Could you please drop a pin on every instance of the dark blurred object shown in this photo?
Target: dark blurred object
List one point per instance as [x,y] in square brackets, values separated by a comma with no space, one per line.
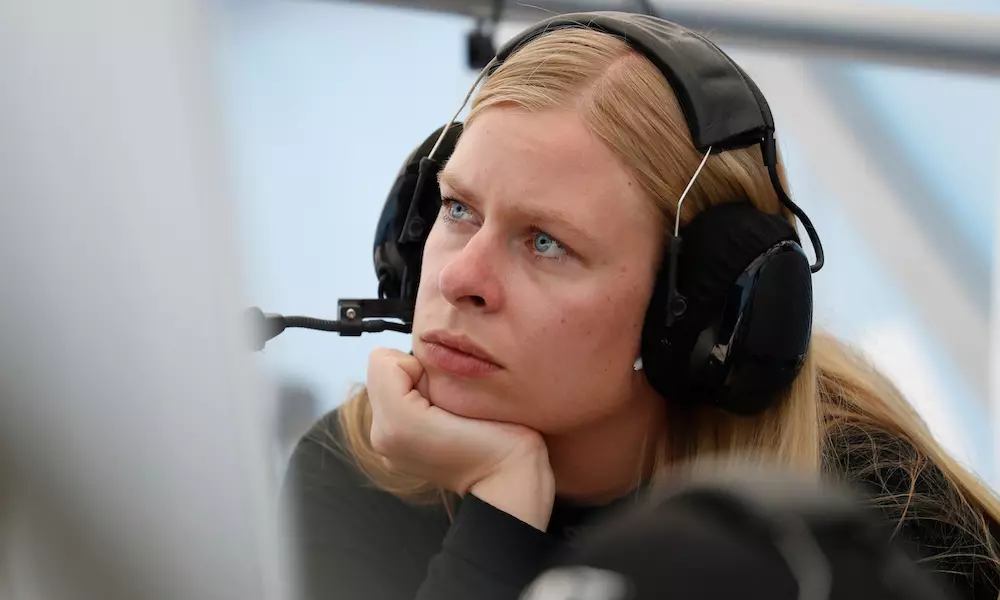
[479,44]
[298,408]
[647,7]
[480,48]
[764,537]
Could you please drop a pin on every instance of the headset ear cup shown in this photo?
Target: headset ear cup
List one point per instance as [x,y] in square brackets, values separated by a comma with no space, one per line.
[389,265]
[700,364]
[397,262]
[388,268]
[774,333]
[742,338]
[660,350]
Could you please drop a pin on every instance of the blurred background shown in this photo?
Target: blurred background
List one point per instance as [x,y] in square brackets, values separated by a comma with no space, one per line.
[164,163]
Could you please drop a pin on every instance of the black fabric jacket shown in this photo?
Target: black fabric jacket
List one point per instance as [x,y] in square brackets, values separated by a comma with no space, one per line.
[353,541]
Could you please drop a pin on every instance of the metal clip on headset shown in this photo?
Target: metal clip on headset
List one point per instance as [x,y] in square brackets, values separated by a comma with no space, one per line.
[354,315]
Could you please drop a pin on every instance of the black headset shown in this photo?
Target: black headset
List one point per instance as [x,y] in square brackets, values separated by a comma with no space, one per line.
[730,318]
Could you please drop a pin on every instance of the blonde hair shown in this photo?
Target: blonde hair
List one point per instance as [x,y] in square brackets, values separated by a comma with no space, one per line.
[838,406]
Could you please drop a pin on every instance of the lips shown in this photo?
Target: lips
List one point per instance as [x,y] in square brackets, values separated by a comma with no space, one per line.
[458,354]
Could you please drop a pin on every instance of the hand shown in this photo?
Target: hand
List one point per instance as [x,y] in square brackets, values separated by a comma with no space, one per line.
[503,461]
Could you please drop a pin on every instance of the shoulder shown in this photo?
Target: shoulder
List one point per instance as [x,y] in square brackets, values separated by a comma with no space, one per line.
[322,460]
[323,475]
[346,533]
[323,489]
[324,469]
[924,511]
[331,505]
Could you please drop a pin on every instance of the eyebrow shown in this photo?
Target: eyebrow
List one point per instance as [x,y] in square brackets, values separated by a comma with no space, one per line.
[447,178]
[539,216]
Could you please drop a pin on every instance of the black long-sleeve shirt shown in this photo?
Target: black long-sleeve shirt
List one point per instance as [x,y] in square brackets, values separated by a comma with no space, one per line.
[353,541]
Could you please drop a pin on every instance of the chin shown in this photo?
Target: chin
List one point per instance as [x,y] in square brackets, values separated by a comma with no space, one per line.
[475,400]
[469,399]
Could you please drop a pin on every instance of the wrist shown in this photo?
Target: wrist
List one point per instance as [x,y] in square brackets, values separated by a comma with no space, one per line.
[523,487]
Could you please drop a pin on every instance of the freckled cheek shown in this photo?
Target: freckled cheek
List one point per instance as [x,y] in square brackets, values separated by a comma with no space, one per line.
[616,324]
[575,333]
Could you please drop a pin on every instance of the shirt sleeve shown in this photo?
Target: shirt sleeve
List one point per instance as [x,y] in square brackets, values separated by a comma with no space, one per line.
[350,540]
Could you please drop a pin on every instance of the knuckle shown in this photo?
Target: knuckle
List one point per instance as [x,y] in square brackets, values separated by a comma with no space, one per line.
[379,360]
[382,354]
[376,356]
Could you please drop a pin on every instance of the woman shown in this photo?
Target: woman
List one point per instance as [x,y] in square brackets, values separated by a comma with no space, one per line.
[519,418]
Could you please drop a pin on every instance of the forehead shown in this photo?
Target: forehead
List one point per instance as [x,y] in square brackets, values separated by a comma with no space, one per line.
[548,160]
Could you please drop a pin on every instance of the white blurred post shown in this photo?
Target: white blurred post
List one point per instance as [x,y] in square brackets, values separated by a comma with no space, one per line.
[132,433]
[994,396]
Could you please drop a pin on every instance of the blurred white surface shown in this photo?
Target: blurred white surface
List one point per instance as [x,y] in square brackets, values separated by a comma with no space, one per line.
[133,425]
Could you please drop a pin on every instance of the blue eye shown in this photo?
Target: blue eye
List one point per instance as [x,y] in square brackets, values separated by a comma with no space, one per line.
[454,211]
[457,211]
[547,245]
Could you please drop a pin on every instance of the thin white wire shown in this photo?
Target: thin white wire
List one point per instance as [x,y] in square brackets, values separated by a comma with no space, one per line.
[472,89]
[680,203]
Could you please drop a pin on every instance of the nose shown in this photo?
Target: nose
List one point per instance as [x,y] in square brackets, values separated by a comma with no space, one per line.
[471,279]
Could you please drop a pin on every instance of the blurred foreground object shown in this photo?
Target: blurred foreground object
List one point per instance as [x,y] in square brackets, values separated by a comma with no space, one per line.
[754,536]
[132,427]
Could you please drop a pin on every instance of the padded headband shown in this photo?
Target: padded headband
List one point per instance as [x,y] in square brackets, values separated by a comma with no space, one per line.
[724,109]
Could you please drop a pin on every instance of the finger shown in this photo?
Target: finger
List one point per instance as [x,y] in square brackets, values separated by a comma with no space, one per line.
[391,387]
[391,369]
[383,357]
[385,381]
[412,366]
[423,386]
[384,373]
